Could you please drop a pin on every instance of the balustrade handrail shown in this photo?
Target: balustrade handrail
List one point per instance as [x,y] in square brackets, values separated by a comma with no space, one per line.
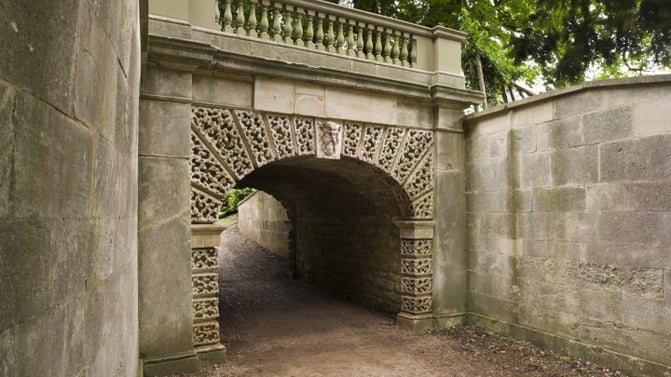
[319,25]
[379,20]
[325,27]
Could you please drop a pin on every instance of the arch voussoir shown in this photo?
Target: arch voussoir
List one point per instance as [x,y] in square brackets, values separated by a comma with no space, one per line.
[229,144]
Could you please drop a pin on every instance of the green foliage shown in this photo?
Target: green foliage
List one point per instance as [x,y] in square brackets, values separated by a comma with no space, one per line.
[569,38]
[557,42]
[229,204]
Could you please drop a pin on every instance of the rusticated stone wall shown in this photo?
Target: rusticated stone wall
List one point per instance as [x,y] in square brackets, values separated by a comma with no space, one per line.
[568,201]
[69,83]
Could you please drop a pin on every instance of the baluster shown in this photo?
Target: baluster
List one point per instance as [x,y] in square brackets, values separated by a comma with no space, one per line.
[264,20]
[240,18]
[252,19]
[395,50]
[228,17]
[310,32]
[217,14]
[413,53]
[386,53]
[359,40]
[340,39]
[288,27]
[350,38]
[277,29]
[329,34]
[369,44]
[404,50]
[320,32]
[298,28]
[378,44]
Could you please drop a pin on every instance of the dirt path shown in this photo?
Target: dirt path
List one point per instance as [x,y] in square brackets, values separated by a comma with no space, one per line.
[276,326]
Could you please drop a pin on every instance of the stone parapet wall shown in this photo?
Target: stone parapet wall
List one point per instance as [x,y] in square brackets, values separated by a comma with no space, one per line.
[568,205]
[264,219]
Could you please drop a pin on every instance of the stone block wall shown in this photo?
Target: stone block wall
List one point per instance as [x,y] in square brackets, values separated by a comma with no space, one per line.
[358,258]
[69,84]
[568,203]
[264,219]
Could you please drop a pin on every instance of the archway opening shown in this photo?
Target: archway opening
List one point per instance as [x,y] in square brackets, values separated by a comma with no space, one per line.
[341,236]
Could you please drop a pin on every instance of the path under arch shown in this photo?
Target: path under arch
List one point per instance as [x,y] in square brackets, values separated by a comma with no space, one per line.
[274,325]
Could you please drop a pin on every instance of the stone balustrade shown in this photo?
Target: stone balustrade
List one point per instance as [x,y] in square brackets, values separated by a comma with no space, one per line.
[322,26]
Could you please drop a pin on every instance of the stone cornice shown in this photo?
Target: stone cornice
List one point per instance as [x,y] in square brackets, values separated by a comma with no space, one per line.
[209,51]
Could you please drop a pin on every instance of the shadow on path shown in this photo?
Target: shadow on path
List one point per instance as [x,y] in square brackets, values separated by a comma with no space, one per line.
[273,325]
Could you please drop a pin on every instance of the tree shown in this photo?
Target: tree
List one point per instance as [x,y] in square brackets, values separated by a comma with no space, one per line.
[555,41]
[567,38]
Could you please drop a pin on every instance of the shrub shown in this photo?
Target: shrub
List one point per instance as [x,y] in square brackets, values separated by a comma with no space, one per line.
[229,204]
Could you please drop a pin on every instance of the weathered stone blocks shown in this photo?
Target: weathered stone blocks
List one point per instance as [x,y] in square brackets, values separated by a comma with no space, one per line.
[647,158]
[636,196]
[39,56]
[559,199]
[48,148]
[165,128]
[589,254]
[607,125]
[574,166]
[7,101]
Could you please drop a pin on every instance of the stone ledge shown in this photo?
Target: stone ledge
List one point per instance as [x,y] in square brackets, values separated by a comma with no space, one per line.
[415,229]
[629,364]
[211,355]
[171,364]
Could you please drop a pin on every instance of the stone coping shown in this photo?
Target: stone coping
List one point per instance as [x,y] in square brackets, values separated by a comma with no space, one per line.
[206,229]
[585,86]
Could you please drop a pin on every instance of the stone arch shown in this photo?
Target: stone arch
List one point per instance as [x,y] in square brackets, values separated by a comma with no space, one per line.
[228,144]
[231,146]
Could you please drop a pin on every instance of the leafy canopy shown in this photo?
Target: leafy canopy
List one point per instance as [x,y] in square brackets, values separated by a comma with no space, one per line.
[558,42]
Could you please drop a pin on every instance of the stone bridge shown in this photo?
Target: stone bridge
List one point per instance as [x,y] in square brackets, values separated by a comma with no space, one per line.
[351,119]
[123,123]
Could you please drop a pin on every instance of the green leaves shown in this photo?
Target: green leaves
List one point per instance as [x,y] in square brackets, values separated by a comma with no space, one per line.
[559,42]
[230,203]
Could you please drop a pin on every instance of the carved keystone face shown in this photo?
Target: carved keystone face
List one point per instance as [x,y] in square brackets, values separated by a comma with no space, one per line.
[328,139]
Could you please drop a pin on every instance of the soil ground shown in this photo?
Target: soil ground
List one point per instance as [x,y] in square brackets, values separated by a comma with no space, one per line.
[273,325]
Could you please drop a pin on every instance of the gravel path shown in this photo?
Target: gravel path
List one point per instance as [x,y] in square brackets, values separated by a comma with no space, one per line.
[273,325]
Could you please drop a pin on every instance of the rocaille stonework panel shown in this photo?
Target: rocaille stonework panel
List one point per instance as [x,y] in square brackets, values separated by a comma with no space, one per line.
[204,259]
[415,247]
[416,145]
[254,129]
[204,207]
[371,141]
[416,266]
[422,179]
[423,207]
[229,144]
[390,148]
[416,285]
[305,136]
[280,129]
[205,284]
[416,305]
[205,333]
[351,139]
[217,126]
[205,309]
